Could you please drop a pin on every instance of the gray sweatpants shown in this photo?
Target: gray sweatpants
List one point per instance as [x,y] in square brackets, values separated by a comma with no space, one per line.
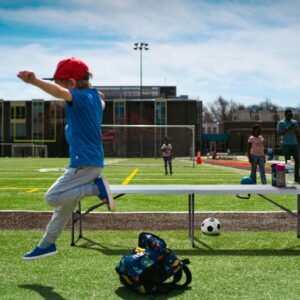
[65,194]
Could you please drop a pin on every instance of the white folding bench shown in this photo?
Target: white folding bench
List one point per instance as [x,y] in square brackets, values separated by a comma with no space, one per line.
[238,189]
[191,191]
[142,189]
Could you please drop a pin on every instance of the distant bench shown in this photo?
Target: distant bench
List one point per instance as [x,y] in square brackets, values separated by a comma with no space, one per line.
[191,191]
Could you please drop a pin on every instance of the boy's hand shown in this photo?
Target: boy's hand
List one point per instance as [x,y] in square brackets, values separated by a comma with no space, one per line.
[27,76]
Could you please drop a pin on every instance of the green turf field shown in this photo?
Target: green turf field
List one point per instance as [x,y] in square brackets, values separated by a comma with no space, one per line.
[233,265]
[23,183]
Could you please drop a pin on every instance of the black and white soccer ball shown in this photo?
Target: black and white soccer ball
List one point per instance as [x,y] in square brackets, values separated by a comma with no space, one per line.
[211,226]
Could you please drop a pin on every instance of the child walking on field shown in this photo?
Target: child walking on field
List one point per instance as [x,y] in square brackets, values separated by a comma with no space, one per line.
[256,154]
[167,155]
[84,108]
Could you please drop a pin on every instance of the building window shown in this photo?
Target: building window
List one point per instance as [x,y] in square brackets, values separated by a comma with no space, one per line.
[160,113]
[38,120]
[119,112]
[18,112]
[17,126]
[18,130]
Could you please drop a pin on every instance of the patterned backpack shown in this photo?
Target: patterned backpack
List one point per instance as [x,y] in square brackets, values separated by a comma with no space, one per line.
[148,266]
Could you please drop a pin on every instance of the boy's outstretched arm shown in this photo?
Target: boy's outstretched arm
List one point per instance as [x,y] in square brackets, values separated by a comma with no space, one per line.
[53,89]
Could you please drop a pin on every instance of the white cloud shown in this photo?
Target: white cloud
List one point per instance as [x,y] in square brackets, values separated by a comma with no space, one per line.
[248,51]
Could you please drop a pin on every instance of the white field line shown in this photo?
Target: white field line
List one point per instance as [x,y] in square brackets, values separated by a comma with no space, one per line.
[23,188]
[135,179]
[52,170]
[26,178]
[199,180]
[114,161]
[156,212]
[115,178]
[180,175]
[16,170]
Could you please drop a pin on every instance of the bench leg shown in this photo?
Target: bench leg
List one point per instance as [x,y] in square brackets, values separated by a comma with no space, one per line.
[73,221]
[72,230]
[190,217]
[193,220]
[298,216]
[80,220]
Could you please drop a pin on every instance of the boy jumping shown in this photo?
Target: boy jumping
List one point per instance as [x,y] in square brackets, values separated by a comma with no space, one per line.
[84,108]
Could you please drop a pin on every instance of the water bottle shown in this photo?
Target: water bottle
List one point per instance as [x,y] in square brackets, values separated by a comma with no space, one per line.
[289,174]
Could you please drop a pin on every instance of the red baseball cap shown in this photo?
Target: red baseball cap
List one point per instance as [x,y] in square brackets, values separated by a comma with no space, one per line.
[70,68]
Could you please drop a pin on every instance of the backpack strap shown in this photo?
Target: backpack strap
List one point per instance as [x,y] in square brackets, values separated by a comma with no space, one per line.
[167,287]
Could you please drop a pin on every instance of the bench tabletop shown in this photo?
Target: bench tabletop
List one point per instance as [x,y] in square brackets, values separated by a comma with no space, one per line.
[202,189]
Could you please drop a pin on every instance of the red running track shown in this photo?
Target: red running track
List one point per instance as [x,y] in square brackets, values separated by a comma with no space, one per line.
[234,164]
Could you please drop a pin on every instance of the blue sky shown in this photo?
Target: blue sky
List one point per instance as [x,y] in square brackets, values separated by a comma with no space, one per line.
[245,51]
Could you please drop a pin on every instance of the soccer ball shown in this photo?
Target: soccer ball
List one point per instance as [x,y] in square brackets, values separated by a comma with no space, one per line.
[211,226]
[246,180]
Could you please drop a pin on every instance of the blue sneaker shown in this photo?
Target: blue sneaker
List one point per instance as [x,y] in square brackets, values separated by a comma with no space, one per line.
[38,252]
[105,193]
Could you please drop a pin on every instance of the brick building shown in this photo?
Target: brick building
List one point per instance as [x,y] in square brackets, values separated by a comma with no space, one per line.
[239,128]
[32,127]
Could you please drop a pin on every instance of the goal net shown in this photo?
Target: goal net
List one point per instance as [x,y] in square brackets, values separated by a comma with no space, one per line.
[28,150]
[145,141]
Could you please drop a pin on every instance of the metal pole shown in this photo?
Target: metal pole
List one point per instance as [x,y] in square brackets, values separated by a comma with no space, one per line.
[141,86]
[275,127]
[298,217]
[141,47]
[141,102]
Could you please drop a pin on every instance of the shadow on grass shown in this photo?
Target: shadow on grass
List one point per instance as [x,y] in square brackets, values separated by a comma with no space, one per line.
[45,291]
[105,249]
[201,249]
[127,294]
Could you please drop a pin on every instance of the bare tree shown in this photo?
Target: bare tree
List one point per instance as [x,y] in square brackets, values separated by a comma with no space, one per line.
[267,104]
[222,109]
[207,116]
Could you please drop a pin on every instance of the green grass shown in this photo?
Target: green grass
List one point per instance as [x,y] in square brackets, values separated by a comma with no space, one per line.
[233,265]
[18,176]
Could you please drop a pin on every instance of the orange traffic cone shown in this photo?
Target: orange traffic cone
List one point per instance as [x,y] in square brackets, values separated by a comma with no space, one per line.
[199,160]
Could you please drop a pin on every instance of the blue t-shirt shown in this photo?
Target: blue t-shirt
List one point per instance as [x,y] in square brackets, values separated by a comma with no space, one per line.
[83,128]
[290,137]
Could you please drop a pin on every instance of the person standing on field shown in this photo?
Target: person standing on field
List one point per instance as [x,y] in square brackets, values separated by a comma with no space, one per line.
[84,108]
[289,131]
[256,154]
[167,150]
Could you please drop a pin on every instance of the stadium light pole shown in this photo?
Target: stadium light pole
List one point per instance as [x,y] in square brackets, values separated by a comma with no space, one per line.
[141,47]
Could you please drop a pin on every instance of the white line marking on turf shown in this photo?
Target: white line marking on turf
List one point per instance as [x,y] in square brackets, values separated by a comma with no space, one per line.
[156,212]
[52,170]
[22,178]
[113,161]
[22,188]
